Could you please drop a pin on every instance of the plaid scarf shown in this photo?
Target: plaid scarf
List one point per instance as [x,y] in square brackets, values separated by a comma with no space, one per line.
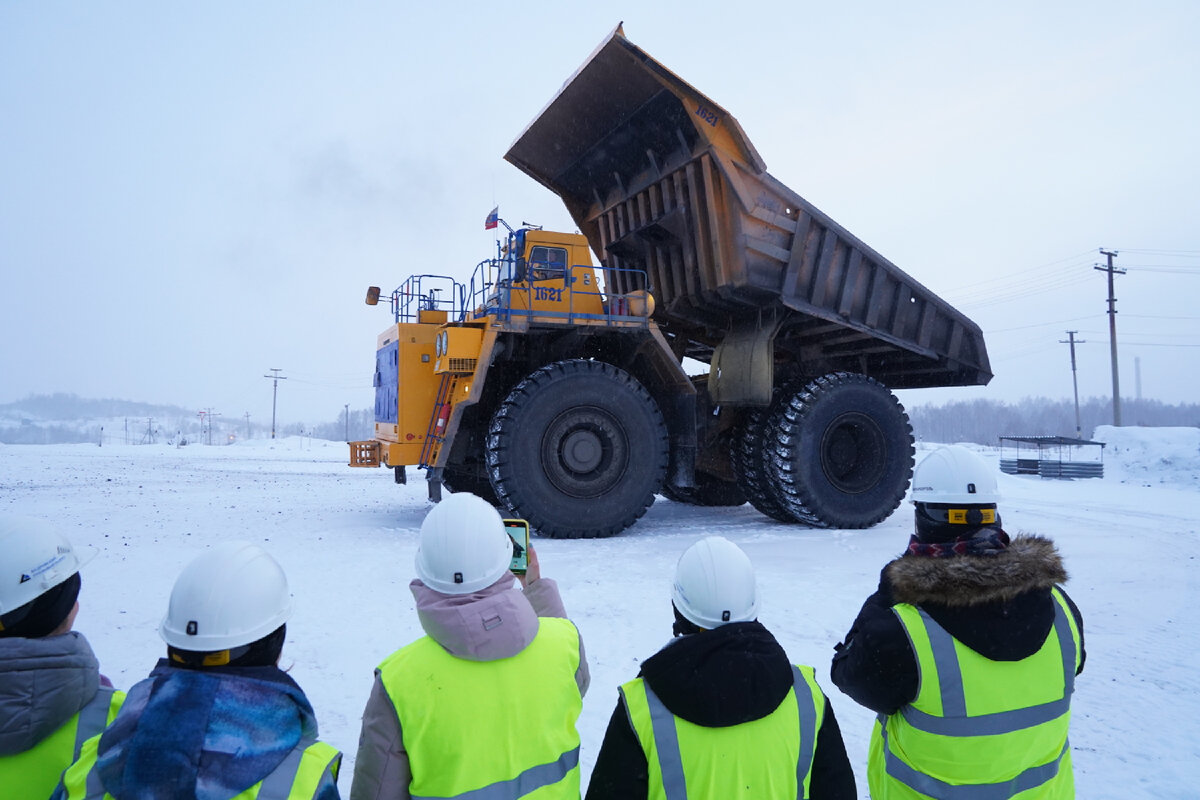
[979,542]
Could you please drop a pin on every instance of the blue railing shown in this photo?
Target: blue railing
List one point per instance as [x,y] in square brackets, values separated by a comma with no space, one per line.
[490,291]
[428,293]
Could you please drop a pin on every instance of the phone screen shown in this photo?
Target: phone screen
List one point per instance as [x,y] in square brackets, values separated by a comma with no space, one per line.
[518,531]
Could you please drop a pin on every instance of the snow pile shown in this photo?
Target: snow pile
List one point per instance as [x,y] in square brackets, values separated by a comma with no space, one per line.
[1152,456]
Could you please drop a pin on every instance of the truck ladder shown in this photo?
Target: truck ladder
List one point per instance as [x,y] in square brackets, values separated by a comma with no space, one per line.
[436,434]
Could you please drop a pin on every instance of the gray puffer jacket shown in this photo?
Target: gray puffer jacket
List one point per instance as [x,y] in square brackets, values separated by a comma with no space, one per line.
[43,683]
[381,769]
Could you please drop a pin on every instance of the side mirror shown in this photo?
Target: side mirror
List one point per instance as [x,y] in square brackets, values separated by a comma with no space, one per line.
[372,295]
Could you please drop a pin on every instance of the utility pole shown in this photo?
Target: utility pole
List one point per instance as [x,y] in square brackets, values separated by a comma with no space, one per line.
[1112,330]
[1074,380]
[201,415]
[247,426]
[211,414]
[347,422]
[274,393]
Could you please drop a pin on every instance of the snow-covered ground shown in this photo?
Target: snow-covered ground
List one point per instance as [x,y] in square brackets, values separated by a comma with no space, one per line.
[346,538]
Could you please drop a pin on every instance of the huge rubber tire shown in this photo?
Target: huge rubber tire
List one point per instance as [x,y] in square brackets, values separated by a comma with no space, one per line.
[462,479]
[579,449]
[708,491]
[843,452]
[751,452]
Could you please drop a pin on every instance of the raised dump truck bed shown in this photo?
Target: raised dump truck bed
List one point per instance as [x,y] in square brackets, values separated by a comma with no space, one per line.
[745,273]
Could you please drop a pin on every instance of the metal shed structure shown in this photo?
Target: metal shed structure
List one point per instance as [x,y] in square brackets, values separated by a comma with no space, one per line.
[1051,457]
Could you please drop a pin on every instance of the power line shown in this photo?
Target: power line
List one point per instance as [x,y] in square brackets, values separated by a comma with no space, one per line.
[1166,269]
[990,331]
[1168,253]
[1078,258]
[1159,344]
[1012,287]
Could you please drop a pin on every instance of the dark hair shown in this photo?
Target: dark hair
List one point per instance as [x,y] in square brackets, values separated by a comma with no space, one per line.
[683,626]
[261,653]
[43,614]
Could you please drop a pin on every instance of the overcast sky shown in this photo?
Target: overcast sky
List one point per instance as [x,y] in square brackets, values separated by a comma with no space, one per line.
[193,194]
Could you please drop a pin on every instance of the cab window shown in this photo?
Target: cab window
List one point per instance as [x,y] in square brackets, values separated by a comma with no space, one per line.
[547,263]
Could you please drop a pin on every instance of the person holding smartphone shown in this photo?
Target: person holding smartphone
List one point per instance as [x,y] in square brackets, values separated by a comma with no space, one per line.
[486,702]
[720,710]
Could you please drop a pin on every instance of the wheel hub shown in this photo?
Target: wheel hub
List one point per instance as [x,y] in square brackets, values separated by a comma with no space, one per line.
[853,450]
[585,451]
[582,451]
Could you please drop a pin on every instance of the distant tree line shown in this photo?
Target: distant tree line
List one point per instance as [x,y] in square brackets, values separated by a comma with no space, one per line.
[361,426]
[985,421]
[69,419]
[65,419]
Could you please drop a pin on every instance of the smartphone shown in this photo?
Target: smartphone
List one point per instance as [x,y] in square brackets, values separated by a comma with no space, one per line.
[518,531]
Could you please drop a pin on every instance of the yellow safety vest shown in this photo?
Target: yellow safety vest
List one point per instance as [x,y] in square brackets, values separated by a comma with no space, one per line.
[34,773]
[493,730]
[979,729]
[745,760]
[297,778]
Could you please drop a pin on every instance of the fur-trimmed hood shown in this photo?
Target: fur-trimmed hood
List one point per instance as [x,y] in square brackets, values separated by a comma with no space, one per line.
[998,605]
[1029,563]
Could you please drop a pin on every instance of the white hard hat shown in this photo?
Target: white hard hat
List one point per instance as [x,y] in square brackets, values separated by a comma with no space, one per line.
[34,558]
[714,584]
[231,595]
[464,547]
[954,475]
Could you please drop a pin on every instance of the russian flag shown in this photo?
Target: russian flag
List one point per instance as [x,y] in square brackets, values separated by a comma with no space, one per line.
[493,219]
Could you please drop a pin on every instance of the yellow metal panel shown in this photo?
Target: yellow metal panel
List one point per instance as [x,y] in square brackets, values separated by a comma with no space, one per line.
[401,455]
[417,392]
[458,349]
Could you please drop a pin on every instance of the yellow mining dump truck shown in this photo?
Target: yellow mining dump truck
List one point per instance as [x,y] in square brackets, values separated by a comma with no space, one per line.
[560,393]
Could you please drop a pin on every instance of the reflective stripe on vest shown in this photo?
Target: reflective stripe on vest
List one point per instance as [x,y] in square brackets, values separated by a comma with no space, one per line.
[954,720]
[929,758]
[299,775]
[928,785]
[527,782]
[95,716]
[489,730]
[670,758]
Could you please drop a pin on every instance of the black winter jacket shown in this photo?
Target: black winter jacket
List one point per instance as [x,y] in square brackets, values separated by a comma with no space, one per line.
[998,605]
[732,674]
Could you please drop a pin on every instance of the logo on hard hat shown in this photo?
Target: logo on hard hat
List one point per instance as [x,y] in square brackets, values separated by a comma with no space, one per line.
[24,578]
[192,628]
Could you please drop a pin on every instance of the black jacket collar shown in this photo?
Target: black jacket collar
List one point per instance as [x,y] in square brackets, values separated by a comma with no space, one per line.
[732,674]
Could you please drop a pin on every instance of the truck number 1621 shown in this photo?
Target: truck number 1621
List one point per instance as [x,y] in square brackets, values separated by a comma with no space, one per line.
[708,116]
